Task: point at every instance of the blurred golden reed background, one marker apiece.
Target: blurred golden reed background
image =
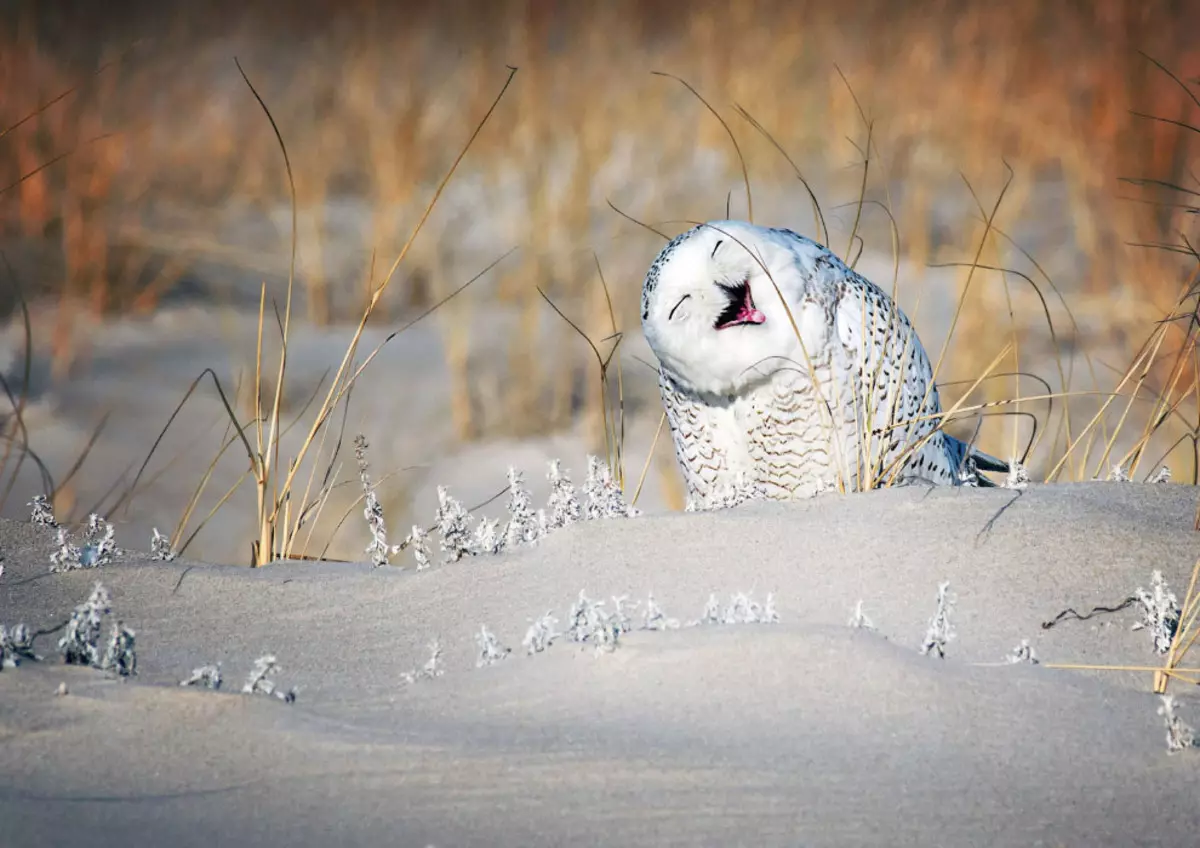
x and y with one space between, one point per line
165 180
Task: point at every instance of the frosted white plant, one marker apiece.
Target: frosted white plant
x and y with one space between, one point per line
208 676
859 619
743 609
621 616
378 550
712 611
654 617
604 497
968 473
1023 653
541 634
487 538
99 543
1160 612
522 527
120 656
16 644
562 506
1162 475
940 631
580 616
1018 475
490 649
418 540
67 556
160 547
80 644
259 682
590 623
432 668
42 513
1180 735
1118 474
453 526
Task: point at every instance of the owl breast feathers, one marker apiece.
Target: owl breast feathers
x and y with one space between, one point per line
784 373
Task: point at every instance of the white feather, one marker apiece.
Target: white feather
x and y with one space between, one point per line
825 385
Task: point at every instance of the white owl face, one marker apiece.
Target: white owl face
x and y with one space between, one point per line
714 318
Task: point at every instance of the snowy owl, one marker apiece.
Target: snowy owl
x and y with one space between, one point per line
832 392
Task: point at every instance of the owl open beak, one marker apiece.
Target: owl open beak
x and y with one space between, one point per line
740 309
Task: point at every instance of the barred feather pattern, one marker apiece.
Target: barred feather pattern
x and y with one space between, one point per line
857 409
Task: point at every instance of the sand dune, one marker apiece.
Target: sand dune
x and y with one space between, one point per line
802 732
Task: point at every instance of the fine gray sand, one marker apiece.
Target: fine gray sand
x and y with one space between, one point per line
803 733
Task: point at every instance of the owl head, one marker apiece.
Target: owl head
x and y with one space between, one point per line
713 307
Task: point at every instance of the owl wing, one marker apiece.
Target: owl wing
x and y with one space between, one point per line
895 395
710 445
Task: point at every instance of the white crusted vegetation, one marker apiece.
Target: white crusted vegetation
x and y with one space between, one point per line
418 540
940 631
743 609
589 623
16 644
523 527
453 526
432 668
206 676
604 497
80 644
98 548
487 538
1118 474
541 634
41 512
259 681
120 657
562 506
859 619
490 649
1160 612
378 550
1162 475
1180 734
1023 653
1018 475
160 547
655 619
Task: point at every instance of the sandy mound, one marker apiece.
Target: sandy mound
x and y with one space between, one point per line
804 732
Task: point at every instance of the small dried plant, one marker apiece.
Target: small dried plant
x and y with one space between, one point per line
940 631
1160 612
432 668
1022 653
206 676
259 681
1180 735
160 547
120 656
378 550
541 634
655 619
859 619
490 649
80 644
41 512
453 526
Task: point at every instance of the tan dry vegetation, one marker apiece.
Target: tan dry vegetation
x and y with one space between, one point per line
162 160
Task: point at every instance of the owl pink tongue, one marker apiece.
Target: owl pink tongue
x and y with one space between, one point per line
750 315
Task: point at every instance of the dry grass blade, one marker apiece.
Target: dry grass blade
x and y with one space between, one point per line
819 217
729 132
